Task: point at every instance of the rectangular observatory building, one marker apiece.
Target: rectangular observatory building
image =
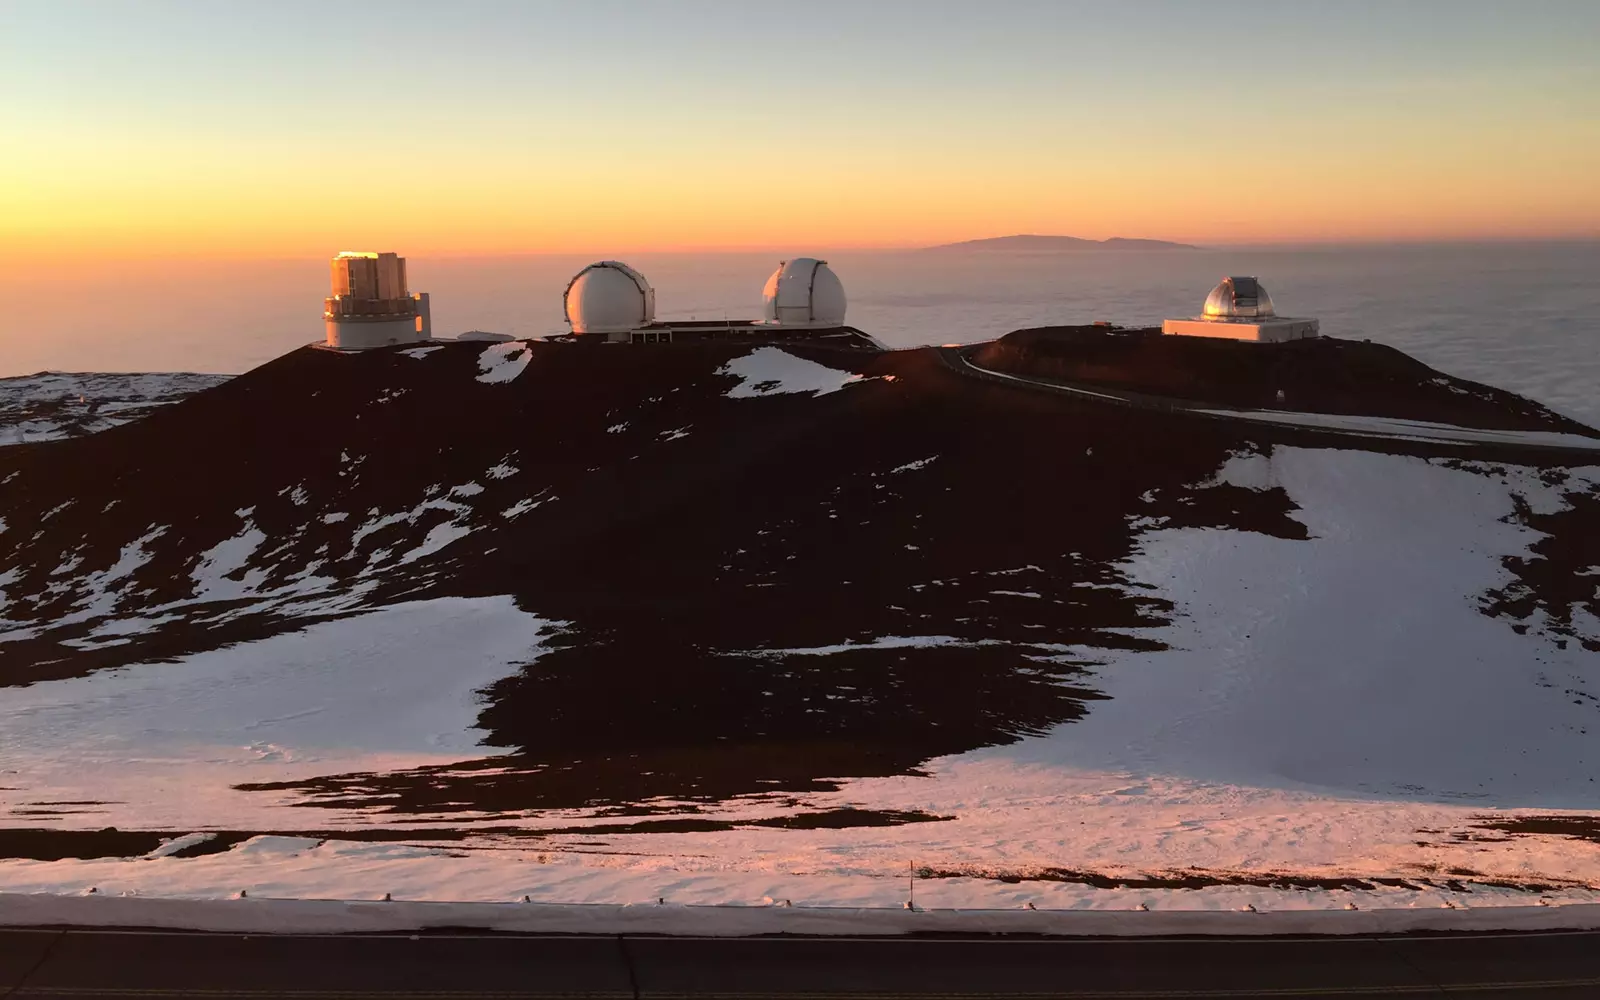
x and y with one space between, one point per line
1269 331
1240 309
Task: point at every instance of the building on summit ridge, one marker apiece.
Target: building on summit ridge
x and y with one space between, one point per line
369 305
610 302
1239 308
608 297
803 293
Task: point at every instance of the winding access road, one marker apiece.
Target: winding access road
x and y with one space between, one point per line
66 964
1347 425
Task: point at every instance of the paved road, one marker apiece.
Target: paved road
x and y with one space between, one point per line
99 964
1343 425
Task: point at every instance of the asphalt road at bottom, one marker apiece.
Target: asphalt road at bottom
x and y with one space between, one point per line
97 964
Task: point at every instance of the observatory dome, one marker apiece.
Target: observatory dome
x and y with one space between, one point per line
609 297
804 292
1239 298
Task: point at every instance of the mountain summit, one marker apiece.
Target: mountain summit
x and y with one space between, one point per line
521 609
1029 243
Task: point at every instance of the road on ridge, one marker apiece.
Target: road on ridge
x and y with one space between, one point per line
101 964
1381 428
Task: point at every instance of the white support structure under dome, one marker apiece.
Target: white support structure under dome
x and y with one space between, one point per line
804 293
610 298
1239 308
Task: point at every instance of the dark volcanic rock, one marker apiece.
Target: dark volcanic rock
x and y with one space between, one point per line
1572 827
1317 375
1558 579
952 543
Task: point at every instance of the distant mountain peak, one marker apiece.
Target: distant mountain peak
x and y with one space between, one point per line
1033 243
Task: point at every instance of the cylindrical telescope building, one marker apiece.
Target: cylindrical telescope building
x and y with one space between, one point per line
369 305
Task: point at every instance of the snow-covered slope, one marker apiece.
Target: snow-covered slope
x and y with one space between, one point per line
54 405
714 623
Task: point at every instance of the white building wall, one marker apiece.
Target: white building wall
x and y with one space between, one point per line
1268 331
365 335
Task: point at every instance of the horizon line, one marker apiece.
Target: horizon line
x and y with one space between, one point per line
798 248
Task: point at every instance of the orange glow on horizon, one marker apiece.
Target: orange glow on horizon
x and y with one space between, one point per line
269 203
193 130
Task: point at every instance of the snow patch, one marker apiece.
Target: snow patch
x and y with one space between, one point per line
1357 661
921 463
771 371
524 505
504 362
56 405
116 631
349 694
213 575
1030 568
100 597
439 536
340 883
1411 430
1249 470
177 844
900 642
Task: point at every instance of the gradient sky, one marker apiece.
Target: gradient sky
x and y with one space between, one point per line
288 127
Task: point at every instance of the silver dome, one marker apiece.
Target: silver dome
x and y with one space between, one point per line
1239 298
608 297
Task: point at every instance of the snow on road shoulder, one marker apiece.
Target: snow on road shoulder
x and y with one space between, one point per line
1411 430
504 362
1225 913
772 371
859 874
335 696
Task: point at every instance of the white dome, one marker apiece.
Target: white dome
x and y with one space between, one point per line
609 297
804 292
1239 298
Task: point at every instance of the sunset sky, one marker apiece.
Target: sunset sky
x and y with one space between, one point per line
290 127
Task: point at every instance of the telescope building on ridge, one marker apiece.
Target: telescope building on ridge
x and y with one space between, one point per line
610 302
609 299
369 305
803 294
1239 308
